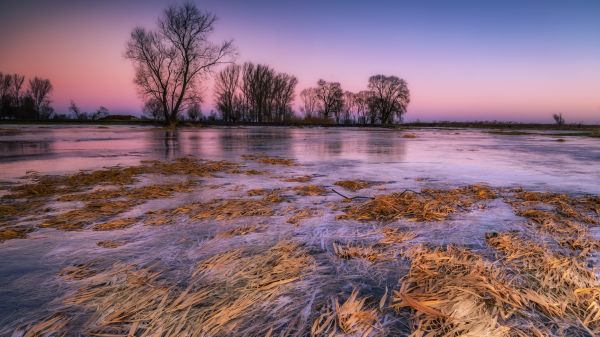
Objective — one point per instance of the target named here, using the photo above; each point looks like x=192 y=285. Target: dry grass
x=454 y=292
x=353 y=185
x=159 y=218
x=310 y=190
x=241 y=230
x=230 y=209
x=302 y=214
x=560 y=286
x=43 y=186
x=53 y=325
x=393 y=235
x=158 y=191
x=109 y=244
x=14 y=233
x=78 y=272
x=270 y=160
x=93 y=212
x=115 y=224
x=351 y=318
x=298 y=179
x=228 y=294
x=352 y=251
x=409 y=135
x=429 y=205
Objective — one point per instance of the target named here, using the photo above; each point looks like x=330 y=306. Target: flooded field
x=139 y=231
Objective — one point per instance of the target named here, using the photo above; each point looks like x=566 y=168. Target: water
x=447 y=156
x=438 y=158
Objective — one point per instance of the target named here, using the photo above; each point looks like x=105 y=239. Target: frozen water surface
x=436 y=158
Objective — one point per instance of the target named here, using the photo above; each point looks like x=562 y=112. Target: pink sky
x=452 y=76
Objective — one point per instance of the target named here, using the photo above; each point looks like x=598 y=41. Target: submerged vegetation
x=294 y=259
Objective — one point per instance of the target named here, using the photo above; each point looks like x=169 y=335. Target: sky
x=463 y=60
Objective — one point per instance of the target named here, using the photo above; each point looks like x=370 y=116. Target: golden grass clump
x=92 y=212
x=352 y=251
x=43 y=186
x=109 y=244
x=14 y=233
x=241 y=230
x=264 y=159
x=232 y=293
x=159 y=191
x=394 y=235
x=228 y=209
x=454 y=292
x=576 y=208
x=298 y=179
x=115 y=224
x=310 y=190
x=302 y=214
x=409 y=135
x=560 y=286
x=429 y=205
x=78 y=272
x=159 y=218
x=351 y=318
x=54 y=325
x=353 y=185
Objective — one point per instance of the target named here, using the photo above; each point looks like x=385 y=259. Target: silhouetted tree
x=77 y=113
x=40 y=89
x=331 y=98
x=254 y=93
x=310 y=102
x=170 y=61
x=100 y=113
x=226 y=93
x=153 y=109
x=194 y=111
x=558 y=119
x=361 y=100
x=34 y=103
x=390 y=97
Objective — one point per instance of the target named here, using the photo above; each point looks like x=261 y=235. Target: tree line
x=172 y=60
x=27 y=101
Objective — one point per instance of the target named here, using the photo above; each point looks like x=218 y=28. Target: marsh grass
x=302 y=214
x=353 y=185
x=350 y=318
x=110 y=244
x=264 y=159
x=428 y=205
x=560 y=286
x=234 y=292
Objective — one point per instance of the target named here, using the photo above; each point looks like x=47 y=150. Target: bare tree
x=266 y=96
x=40 y=89
x=389 y=99
x=100 y=113
x=74 y=109
x=361 y=100
x=558 y=119
x=331 y=97
x=310 y=102
x=153 y=109
x=226 y=93
x=170 y=61
x=194 y=111
x=17 y=85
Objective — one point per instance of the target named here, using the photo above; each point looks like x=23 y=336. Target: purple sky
x=463 y=60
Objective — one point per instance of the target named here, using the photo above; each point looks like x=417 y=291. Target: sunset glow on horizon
x=513 y=60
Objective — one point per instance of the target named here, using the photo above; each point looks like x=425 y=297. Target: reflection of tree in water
x=385 y=145
x=255 y=140
x=26 y=148
x=166 y=143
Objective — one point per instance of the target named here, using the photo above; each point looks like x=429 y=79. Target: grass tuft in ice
x=428 y=205
x=353 y=185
